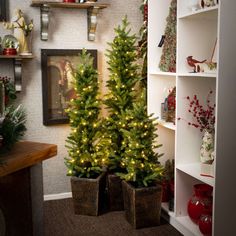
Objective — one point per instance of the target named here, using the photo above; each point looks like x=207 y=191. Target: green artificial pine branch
x=13 y=127
x=122 y=56
x=83 y=111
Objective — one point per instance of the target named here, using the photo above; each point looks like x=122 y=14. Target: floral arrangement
x=27 y=28
x=204 y=116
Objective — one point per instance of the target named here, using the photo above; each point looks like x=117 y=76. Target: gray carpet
x=60 y=220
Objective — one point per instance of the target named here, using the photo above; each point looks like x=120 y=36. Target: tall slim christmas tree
x=141 y=159
x=84 y=112
x=124 y=75
x=168 y=57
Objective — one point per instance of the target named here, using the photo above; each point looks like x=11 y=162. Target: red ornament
x=200 y=201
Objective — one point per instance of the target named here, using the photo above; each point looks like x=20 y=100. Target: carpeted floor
x=60 y=220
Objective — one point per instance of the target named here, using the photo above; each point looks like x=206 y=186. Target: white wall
x=68 y=30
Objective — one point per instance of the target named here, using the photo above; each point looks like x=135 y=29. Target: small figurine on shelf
x=195 y=64
x=21 y=30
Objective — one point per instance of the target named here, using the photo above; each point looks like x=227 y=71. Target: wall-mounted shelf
x=92 y=12
x=17 y=63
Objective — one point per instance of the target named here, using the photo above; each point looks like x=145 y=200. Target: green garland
x=13 y=127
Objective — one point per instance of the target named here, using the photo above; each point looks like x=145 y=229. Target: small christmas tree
x=84 y=112
x=123 y=69
x=168 y=57
x=140 y=159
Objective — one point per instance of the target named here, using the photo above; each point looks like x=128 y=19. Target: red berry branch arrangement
x=204 y=116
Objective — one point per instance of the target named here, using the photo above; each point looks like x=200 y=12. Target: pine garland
x=13 y=127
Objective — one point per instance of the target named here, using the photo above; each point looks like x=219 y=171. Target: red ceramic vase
x=205 y=223
x=9 y=51
x=200 y=201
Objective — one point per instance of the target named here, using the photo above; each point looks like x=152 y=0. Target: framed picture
x=58 y=71
x=3 y=10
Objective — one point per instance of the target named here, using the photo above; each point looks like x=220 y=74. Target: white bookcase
x=197 y=32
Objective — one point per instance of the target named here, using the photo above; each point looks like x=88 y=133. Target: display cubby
x=197 y=34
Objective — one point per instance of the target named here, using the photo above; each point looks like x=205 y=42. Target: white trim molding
x=57 y=196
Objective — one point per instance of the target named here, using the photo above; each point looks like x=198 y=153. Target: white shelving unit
x=197 y=32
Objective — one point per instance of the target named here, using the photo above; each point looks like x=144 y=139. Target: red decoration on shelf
x=165 y=191
x=194 y=63
x=9 y=51
x=200 y=201
x=71 y=1
x=205 y=223
x=204 y=117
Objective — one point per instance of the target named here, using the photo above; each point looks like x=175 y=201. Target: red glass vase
x=205 y=223
x=200 y=201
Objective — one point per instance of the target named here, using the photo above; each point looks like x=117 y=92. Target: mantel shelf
x=92 y=12
x=17 y=63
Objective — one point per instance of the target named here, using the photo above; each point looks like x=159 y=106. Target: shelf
x=194 y=170
x=209 y=12
x=186 y=222
x=168 y=125
x=208 y=75
x=17 y=57
x=92 y=12
x=17 y=63
x=163 y=73
x=54 y=4
x=165 y=207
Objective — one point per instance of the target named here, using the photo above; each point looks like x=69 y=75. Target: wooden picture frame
x=58 y=67
x=3 y=10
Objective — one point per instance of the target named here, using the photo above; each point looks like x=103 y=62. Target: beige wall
x=68 y=30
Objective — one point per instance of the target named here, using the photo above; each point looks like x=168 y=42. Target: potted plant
x=120 y=97
x=84 y=162
x=142 y=194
